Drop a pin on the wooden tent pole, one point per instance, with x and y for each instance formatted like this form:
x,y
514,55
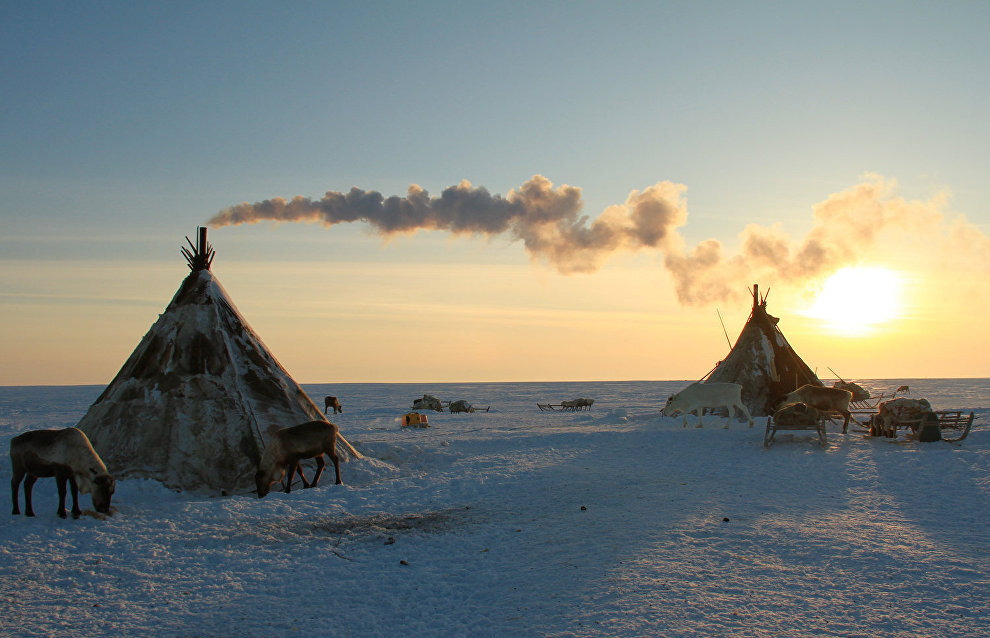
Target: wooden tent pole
x,y
724,331
836,374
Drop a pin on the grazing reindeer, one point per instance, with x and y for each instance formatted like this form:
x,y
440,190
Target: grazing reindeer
x,y
332,402
69,457
288,446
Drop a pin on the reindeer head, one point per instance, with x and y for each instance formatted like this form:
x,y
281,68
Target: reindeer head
x,y
264,479
103,486
667,406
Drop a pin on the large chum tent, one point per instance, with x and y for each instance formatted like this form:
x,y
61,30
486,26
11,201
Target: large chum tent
x,y
192,405
763,363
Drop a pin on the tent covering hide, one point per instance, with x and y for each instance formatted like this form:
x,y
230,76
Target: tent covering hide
x,y
192,404
763,362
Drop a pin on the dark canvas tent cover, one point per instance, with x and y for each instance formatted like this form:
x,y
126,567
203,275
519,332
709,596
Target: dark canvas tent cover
x,y
763,362
192,405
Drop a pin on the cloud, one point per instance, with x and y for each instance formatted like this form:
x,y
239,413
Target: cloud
x,y
847,228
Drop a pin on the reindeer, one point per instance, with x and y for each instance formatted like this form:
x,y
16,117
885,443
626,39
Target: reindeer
x,y
68,456
826,400
288,446
698,396
332,402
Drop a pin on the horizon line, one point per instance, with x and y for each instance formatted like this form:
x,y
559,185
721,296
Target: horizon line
x,y
302,383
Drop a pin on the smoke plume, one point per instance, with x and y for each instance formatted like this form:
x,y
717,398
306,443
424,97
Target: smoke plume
x,y
545,218
846,227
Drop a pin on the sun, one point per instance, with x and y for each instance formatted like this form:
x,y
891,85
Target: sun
x,y
857,300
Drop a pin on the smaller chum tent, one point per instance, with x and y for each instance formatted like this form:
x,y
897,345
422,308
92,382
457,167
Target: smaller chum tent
x,y
192,405
763,362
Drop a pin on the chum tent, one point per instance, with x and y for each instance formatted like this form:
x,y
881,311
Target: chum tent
x,y
763,362
192,405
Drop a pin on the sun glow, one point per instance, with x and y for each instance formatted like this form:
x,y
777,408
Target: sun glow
x,y
855,301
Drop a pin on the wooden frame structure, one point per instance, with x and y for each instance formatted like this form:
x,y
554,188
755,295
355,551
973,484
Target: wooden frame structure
x,y
567,406
956,421
773,428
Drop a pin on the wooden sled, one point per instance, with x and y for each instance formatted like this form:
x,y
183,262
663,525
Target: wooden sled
x,y
862,411
954,425
474,408
574,405
773,428
865,408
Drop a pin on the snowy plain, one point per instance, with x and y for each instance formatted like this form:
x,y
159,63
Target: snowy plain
x,y
517,522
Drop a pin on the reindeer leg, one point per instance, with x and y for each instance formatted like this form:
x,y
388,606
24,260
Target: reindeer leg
x,y
302,477
320,463
74,490
291,467
28,486
743,409
60,483
15,484
296,467
336,464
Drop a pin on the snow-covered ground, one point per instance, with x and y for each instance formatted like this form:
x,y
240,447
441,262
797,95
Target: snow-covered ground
x,y
516,522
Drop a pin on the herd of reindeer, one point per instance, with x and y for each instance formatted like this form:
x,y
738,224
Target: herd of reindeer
x,y
69,457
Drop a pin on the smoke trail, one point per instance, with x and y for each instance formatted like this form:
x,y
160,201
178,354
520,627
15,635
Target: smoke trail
x,y
546,218
847,227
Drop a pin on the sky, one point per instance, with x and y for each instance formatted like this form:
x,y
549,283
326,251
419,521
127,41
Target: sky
x,y
500,191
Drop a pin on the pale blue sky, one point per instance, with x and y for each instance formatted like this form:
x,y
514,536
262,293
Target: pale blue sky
x,y
126,124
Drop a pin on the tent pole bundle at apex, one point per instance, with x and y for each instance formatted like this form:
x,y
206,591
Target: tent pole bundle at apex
x,y
192,405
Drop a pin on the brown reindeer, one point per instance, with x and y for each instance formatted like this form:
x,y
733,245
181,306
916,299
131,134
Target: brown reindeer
x,y
332,402
826,400
68,456
288,446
